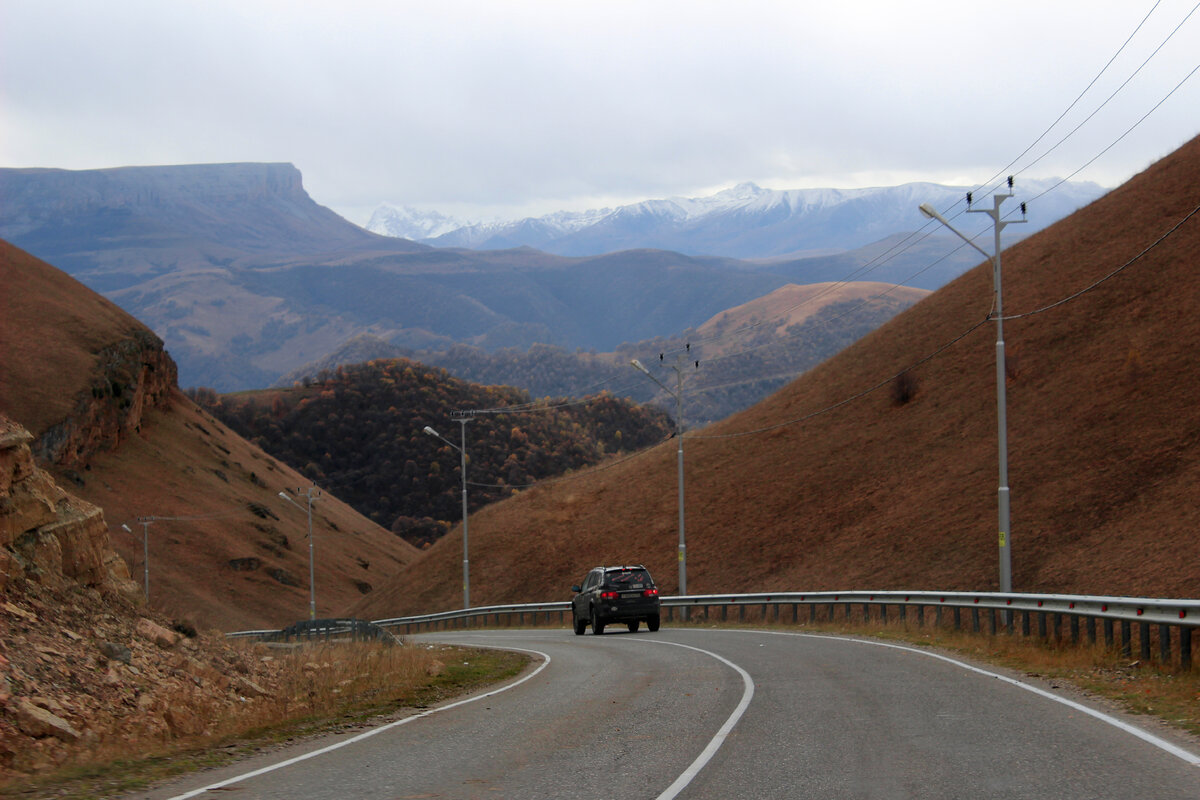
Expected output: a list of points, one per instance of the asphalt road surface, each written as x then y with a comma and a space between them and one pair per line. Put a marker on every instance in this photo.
705, 714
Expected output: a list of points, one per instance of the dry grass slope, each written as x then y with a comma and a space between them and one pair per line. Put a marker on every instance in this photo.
1104, 446
223, 564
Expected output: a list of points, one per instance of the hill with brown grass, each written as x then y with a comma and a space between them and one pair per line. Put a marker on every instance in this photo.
98, 394
837, 481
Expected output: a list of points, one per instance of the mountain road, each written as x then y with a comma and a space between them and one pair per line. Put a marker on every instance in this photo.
708, 714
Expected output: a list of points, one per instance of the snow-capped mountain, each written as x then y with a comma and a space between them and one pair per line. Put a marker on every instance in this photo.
404, 222
745, 221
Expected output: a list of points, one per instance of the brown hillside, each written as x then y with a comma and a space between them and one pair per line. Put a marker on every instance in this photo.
1104, 437
793, 304
39, 385
238, 557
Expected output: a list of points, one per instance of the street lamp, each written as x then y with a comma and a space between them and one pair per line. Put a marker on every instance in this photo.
678, 395
998, 225
145, 551
462, 452
311, 493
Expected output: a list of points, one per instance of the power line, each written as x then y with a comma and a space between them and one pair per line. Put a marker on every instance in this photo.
1115, 92
1112, 274
875, 387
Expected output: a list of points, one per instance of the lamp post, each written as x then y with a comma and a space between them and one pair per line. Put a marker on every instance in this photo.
311, 493
145, 551
998, 225
462, 452
678, 395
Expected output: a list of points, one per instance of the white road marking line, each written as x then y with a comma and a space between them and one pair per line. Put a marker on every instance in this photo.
1133, 730
719, 739
368, 734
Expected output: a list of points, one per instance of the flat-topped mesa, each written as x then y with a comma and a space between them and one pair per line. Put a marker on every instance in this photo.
74, 190
57, 213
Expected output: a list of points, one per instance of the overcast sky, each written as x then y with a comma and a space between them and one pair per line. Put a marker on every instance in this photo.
502, 107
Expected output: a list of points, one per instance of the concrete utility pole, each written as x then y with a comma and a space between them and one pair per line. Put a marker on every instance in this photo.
462, 419
311, 493
679, 428
998, 224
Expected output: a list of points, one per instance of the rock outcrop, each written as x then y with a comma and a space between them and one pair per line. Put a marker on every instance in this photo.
133, 375
48, 536
84, 666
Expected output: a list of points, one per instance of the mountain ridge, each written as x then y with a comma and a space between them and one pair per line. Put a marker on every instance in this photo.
836, 481
745, 221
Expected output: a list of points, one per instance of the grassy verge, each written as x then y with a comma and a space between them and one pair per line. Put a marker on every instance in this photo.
319, 689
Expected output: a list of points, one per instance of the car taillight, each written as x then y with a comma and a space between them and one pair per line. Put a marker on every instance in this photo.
609, 595
650, 593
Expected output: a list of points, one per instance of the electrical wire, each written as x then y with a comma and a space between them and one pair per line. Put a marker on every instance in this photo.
1110, 275
955, 340
1004, 170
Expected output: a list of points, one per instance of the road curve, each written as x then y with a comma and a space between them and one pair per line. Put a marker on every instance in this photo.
705, 714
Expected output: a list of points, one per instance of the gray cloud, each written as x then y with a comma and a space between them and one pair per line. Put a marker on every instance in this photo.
550, 104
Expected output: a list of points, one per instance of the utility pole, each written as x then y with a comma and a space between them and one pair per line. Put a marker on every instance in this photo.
998, 224
311, 493
462, 418
145, 521
679, 429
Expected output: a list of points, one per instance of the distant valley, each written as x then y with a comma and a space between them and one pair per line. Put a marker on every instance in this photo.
247, 279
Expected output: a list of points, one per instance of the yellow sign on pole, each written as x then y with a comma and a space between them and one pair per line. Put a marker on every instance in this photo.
1003, 538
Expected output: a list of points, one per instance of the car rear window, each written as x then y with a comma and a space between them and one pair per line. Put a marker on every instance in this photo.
628, 578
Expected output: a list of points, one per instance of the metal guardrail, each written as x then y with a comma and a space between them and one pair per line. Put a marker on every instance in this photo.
1153, 619
325, 630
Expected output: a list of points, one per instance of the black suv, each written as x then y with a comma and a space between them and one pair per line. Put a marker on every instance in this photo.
615, 594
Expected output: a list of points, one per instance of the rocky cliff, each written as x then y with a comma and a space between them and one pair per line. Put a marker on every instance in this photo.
47, 536
84, 667
131, 376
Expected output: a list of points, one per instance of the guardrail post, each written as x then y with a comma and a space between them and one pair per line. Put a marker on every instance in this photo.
1109, 638
1091, 630
975, 619
937, 616
1025, 624
1075, 629
1041, 624
883, 613
1164, 644
903, 613
724, 613
1185, 648
795, 613
920, 616
1057, 627
1126, 639
812, 612
957, 618
1144, 640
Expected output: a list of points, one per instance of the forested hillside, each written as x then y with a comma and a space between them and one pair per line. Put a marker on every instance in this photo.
359, 432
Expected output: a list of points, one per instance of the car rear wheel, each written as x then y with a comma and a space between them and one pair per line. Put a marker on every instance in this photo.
652, 622
633, 626
597, 625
